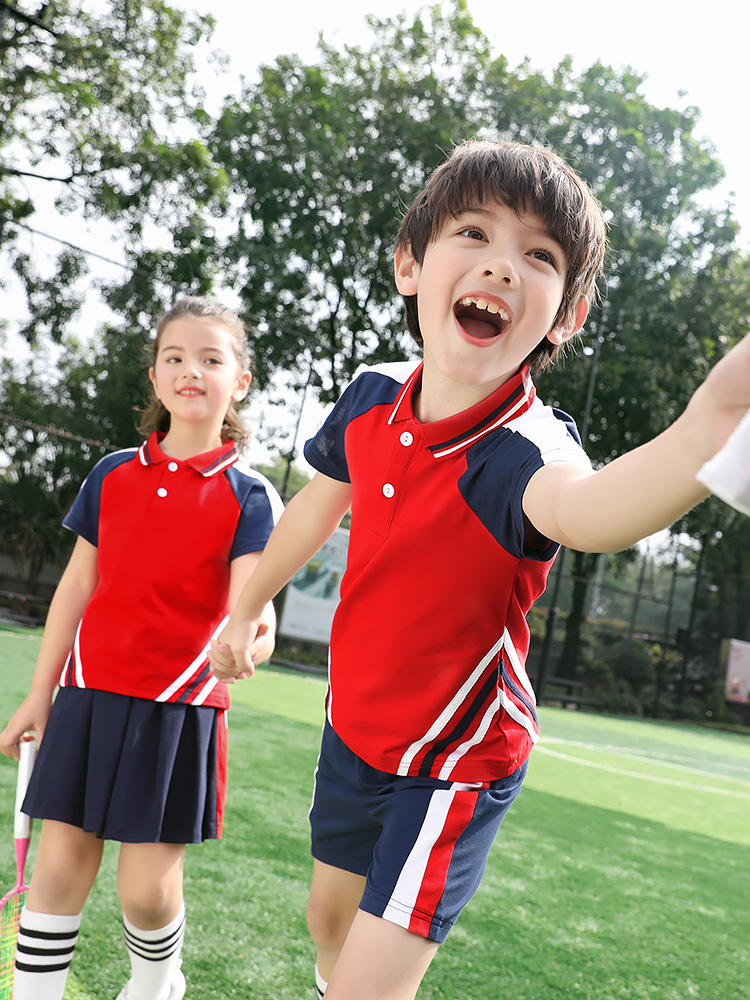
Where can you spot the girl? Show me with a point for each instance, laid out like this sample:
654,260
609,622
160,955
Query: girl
134,748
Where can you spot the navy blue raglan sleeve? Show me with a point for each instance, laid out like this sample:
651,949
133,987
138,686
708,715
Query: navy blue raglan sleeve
500,467
83,516
260,508
326,451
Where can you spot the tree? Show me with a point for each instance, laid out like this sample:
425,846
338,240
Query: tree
305,173
287,478
28,522
59,422
101,109
647,168
321,158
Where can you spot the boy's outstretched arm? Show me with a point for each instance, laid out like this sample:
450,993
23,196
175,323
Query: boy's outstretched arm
309,520
650,487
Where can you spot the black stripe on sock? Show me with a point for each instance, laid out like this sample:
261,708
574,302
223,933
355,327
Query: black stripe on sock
47,935
152,943
23,967
26,950
157,950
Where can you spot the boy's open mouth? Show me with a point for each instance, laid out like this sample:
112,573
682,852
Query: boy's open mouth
481,318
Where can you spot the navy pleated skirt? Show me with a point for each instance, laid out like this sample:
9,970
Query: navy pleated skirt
131,770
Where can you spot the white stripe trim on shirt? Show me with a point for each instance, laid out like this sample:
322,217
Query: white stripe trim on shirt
77,657
450,710
189,671
63,672
503,419
518,716
231,459
455,755
519,671
206,691
400,396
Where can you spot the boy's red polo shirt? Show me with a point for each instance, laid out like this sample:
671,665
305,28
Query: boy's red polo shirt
166,532
430,638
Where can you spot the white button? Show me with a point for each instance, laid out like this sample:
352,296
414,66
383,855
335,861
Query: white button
406,439
161,492
388,490
173,466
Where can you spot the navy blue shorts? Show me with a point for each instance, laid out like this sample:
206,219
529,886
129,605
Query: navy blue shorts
422,843
131,770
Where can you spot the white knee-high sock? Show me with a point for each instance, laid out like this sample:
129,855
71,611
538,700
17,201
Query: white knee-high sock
45,949
154,957
320,984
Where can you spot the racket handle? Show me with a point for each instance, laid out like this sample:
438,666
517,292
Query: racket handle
22,822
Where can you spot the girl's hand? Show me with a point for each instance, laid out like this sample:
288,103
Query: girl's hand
30,717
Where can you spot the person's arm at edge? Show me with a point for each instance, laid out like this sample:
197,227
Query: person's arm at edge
650,487
241,569
309,520
71,596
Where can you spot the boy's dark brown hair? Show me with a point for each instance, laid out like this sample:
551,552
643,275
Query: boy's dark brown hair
525,179
155,417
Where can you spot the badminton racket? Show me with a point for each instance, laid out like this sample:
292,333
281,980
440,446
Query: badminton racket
12,903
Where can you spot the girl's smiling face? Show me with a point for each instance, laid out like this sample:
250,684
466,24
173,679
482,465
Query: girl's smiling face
488,291
196,374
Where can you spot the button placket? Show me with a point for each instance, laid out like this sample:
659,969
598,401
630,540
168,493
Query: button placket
393,477
163,491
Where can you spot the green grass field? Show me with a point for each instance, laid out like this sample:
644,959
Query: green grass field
621,873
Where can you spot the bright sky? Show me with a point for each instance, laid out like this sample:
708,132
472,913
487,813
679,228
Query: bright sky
699,48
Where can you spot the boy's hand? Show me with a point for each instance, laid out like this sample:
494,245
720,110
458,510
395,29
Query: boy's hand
232,656
724,397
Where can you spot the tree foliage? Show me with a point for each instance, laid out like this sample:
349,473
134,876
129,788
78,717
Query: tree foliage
292,195
57,424
321,159
100,113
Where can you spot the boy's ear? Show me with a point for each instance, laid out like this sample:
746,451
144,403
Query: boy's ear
243,384
406,270
559,334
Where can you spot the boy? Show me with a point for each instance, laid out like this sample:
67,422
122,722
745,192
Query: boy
462,486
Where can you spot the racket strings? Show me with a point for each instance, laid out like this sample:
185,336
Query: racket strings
10,919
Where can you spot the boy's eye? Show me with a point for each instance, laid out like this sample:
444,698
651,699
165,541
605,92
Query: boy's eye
544,255
471,232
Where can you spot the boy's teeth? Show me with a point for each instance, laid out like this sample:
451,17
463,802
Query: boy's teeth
491,307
